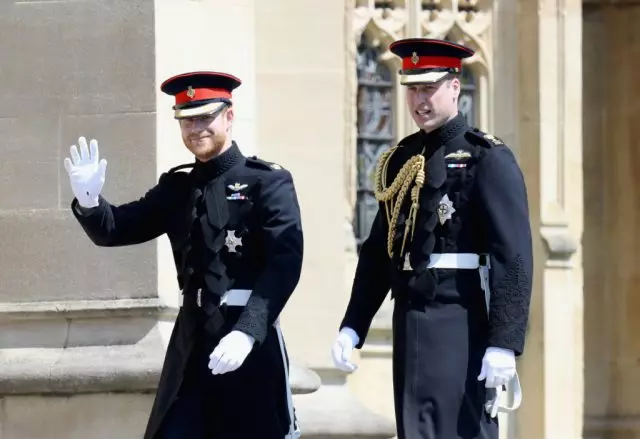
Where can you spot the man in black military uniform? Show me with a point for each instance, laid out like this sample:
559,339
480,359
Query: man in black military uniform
235,230
452,241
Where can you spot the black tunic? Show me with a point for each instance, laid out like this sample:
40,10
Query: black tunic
440,324
231,195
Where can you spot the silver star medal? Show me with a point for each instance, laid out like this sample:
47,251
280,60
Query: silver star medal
445,209
232,241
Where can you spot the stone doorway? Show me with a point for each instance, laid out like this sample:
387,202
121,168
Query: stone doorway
611,160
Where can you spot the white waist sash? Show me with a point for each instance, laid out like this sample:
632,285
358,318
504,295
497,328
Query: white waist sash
235,297
464,261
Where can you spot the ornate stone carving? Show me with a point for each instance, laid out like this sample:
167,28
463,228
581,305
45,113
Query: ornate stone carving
385,20
464,21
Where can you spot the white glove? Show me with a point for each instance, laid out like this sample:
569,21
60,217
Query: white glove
86,172
498,367
343,347
231,352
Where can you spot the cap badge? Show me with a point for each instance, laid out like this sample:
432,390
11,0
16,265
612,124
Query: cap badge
191,92
415,58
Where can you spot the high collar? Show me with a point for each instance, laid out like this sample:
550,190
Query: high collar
445,133
205,171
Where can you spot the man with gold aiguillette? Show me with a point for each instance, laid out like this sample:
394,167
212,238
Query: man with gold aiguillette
452,241
236,233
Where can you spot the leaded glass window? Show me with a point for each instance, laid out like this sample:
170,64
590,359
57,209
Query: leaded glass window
466,101
376,132
467,98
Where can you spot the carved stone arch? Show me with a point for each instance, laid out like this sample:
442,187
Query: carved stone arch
385,25
380,39
467,22
383,35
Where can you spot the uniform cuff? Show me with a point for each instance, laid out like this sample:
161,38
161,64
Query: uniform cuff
254,320
82,211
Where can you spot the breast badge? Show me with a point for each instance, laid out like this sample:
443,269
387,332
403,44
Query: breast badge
236,188
445,209
232,241
457,159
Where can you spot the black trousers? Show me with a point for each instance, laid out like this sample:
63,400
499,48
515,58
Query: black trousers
437,355
250,402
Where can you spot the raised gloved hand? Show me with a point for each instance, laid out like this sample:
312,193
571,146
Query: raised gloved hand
231,352
343,347
86,172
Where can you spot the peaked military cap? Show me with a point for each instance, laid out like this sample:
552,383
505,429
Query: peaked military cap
426,60
200,93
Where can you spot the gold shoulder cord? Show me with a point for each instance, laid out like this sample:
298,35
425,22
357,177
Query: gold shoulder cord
393,196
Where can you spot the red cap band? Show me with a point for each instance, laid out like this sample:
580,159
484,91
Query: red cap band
431,62
199,94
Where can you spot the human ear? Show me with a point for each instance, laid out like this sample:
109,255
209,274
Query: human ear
228,118
456,86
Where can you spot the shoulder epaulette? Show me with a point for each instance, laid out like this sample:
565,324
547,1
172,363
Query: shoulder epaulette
180,167
173,170
484,139
255,162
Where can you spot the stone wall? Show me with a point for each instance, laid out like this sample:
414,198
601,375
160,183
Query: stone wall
550,150
73,68
611,196
69,69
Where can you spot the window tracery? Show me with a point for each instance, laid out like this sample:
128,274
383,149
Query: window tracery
378,116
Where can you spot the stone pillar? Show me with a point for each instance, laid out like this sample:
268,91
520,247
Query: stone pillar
504,118
550,149
612,404
300,67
